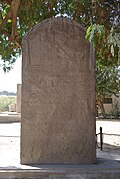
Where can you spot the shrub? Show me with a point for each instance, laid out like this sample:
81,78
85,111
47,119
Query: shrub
6,101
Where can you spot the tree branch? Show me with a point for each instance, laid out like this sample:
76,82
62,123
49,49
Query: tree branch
14,10
12,14
6,1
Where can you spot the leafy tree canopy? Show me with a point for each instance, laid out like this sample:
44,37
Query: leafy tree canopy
101,18
108,83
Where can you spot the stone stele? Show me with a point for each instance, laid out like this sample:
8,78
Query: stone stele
58,95
18,105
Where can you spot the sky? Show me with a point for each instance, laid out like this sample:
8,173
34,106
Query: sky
9,81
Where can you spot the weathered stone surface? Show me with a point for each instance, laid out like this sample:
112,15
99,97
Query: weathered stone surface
58,95
18,105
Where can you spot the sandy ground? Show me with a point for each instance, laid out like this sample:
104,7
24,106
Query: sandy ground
111,131
10,141
111,138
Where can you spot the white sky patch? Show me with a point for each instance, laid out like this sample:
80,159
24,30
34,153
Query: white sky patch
9,81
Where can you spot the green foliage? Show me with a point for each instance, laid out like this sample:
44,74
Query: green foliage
113,40
107,45
107,83
101,18
9,53
108,80
5,102
95,33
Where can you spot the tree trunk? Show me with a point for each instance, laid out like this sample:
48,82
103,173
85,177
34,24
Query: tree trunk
102,109
100,100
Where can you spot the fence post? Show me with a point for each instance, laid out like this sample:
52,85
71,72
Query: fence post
101,138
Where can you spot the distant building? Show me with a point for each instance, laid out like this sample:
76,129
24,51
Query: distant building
12,107
112,103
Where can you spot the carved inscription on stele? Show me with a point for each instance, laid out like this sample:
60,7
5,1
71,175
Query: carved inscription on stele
58,95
